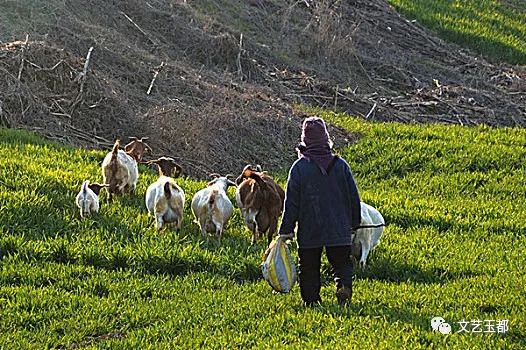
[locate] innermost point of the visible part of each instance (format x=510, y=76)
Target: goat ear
x=258, y=168
x=179, y=170
x=95, y=187
x=128, y=147
x=210, y=183
x=144, y=138
x=147, y=147
x=214, y=175
x=231, y=183
x=133, y=138
x=247, y=172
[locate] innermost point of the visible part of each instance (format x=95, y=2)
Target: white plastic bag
x=278, y=267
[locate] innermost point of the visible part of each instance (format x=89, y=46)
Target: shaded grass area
x=453, y=198
x=492, y=28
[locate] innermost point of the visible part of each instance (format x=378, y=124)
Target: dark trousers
x=309, y=270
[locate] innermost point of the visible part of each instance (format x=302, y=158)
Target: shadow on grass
x=172, y=264
x=443, y=225
x=387, y=269
x=392, y=314
x=439, y=223
x=234, y=267
x=370, y=310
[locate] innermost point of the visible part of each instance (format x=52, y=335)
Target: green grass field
x=455, y=247
x=493, y=28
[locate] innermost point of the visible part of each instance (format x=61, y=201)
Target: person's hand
x=287, y=236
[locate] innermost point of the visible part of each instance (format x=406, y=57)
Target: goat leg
x=219, y=231
x=159, y=221
x=202, y=225
x=272, y=229
x=365, y=252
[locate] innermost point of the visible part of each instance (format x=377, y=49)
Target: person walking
x=323, y=200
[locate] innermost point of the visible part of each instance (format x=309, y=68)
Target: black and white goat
x=88, y=198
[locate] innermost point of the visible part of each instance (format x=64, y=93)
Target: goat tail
x=84, y=203
x=167, y=190
x=85, y=186
x=212, y=198
x=115, y=149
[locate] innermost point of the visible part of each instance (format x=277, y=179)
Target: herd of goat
x=258, y=196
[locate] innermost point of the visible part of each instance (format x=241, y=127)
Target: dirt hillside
x=215, y=82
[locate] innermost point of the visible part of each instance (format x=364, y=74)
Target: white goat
x=164, y=198
x=212, y=207
x=88, y=198
x=119, y=168
x=368, y=235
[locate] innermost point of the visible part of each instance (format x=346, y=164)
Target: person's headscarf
x=315, y=143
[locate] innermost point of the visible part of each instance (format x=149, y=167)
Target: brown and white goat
x=88, y=198
x=164, y=198
x=260, y=199
x=119, y=168
x=212, y=207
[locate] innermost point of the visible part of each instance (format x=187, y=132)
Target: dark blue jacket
x=325, y=207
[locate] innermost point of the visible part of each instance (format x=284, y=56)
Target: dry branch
x=82, y=75
x=154, y=77
x=139, y=28
x=52, y=68
x=238, y=60
x=371, y=111
x=22, y=57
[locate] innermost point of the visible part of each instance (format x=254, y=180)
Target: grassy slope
x=454, y=198
x=493, y=28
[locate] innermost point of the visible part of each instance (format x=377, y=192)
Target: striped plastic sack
x=278, y=267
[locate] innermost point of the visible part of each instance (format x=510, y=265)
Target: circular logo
x=436, y=322
x=444, y=328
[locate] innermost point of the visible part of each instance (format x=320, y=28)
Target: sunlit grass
x=453, y=197
x=495, y=29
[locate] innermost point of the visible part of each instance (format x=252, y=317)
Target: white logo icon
x=444, y=328
x=440, y=325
